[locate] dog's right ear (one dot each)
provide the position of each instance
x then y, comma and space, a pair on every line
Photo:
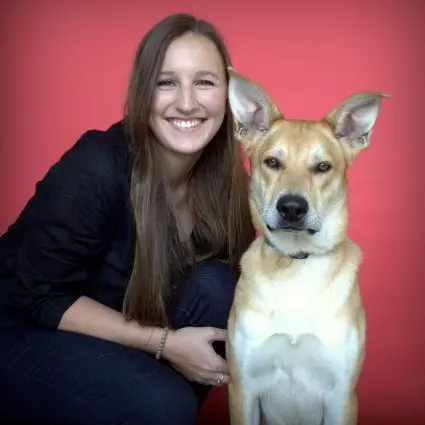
353, 120
252, 108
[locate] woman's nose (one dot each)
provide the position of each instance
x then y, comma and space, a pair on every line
186, 99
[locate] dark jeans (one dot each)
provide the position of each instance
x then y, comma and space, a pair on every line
54, 377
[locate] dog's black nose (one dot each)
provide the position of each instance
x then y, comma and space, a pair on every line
292, 208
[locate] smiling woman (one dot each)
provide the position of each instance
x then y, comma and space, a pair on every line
130, 247
190, 103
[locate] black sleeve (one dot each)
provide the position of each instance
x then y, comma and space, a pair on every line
67, 226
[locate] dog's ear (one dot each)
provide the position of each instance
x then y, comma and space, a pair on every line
353, 120
252, 109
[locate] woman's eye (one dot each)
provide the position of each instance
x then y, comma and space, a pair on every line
165, 83
205, 83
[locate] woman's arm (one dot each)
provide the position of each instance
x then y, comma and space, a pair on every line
66, 229
89, 317
189, 349
68, 223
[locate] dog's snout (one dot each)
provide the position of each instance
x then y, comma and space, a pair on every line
292, 208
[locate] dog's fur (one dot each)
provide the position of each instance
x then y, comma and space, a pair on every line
296, 331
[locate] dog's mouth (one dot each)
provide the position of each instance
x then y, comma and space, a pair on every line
292, 229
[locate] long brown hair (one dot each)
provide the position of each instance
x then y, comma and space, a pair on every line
218, 184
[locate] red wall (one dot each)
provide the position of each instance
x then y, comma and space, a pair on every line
64, 69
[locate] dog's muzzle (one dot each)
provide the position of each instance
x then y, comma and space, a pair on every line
292, 214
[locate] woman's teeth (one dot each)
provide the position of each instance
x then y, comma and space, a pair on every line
186, 123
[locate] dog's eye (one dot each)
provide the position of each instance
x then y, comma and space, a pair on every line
272, 162
322, 167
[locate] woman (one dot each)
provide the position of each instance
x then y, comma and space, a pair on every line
119, 274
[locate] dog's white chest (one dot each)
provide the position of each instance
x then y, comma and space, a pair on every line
292, 342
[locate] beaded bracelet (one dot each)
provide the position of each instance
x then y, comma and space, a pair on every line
161, 345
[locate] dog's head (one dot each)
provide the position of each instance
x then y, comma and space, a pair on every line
298, 167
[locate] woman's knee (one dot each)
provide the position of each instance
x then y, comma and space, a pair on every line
216, 280
207, 295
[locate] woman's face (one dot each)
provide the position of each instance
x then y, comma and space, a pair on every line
190, 98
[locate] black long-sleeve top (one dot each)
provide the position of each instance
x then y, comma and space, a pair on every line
75, 236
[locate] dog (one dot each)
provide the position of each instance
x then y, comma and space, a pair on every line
297, 326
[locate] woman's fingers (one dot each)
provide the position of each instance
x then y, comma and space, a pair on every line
216, 380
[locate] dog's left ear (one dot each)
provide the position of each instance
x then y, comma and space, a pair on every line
252, 108
353, 120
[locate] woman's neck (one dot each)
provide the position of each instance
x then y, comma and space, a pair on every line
177, 169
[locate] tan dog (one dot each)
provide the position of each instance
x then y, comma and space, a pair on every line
296, 334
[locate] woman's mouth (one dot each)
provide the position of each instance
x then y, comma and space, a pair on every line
186, 124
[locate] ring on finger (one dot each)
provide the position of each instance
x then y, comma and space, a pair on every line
220, 378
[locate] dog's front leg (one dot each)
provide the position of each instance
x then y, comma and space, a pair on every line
244, 406
341, 410
341, 407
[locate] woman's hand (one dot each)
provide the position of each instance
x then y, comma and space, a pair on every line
190, 351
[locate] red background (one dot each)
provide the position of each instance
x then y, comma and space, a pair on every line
64, 69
